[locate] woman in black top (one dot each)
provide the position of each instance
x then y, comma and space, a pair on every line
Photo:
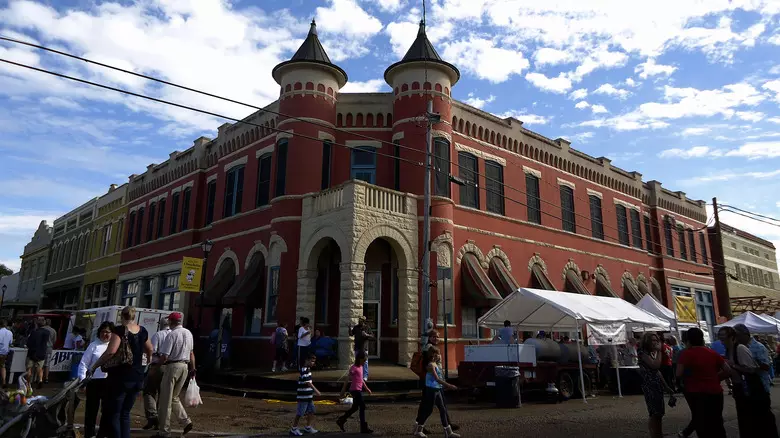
124, 382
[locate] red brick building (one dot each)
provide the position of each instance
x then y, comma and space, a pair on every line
318, 212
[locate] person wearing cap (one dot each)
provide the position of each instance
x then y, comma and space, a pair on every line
362, 334
178, 359
154, 376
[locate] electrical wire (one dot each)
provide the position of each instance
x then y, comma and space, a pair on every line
728, 210
722, 206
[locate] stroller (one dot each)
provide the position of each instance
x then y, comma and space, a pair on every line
41, 419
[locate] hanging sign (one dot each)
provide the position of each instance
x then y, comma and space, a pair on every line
191, 270
607, 334
685, 309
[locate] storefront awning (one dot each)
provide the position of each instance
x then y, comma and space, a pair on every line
480, 292
249, 289
541, 278
502, 278
574, 281
643, 289
603, 287
632, 291
219, 286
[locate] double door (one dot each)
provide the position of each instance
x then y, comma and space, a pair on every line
372, 309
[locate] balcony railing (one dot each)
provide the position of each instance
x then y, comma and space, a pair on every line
358, 194
328, 200
385, 199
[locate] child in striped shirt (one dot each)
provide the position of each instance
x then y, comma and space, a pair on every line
306, 392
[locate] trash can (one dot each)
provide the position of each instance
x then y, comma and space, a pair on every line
74, 365
507, 386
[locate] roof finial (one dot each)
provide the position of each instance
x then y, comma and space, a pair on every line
421, 31
313, 28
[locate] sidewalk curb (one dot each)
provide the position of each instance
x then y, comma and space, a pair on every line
291, 396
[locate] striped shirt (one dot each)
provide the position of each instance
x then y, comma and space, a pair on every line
305, 392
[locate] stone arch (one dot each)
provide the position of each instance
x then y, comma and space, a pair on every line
600, 270
498, 252
444, 248
537, 260
397, 239
227, 254
311, 250
276, 247
468, 128
370, 120
258, 248
471, 247
454, 122
570, 265
460, 125
479, 131
349, 120
627, 277
359, 120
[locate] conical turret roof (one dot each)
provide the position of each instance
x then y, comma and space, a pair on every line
422, 50
311, 51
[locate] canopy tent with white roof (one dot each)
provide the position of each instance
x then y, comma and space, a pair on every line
648, 303
755, 323
534, 309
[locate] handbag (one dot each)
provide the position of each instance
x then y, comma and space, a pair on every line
123, 355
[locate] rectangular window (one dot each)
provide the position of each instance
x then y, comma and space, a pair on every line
494, 185
704, 308
444, 294
703, 246
185, 208
737, 272
532, 198
441, 166
281, 167
211, 199
106, 240
119, 234
668, 236
622, 224
152, 220
273, 294
264, 180
130, 297
364, 164
596, 220
326, 165
567, 209
750, 275
636, 229
648, 235
169, 294
396, 165
174, 213
683, 246
469, 326
692, 245
771, 281
254, 322
130, 229
469, 194
395, 296
161, 218
139, 226
234, 191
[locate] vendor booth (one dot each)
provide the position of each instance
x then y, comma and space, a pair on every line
607, 319
649, 304
757, 324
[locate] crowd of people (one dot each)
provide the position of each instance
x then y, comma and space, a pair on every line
305, 340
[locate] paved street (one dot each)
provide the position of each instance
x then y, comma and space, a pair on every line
604, 416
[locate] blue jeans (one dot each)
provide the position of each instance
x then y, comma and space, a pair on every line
365, 365
118, 400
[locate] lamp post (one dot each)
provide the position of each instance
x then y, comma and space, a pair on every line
206, 247
2, 300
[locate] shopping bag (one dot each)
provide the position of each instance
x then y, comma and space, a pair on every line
192, 396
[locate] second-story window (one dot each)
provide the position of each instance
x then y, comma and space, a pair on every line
152, 220
130, 229
567, 209
174, 212
211, 198
469, 192
648, 235
532, 198
668, 236
692, 245
161, 218
622, 224
636, 229
703, 246
494, 185
185, 208
441, 167
683, 246
106, 240
119, 235
263, 180
327, 154
234, 191
364, 164
281, 167
596, 218
139, 226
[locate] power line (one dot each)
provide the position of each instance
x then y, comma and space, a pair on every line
728, 210
748, 212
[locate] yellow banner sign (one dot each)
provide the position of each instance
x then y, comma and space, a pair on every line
685, 308
191, 272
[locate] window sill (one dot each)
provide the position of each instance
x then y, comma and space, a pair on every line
450, 325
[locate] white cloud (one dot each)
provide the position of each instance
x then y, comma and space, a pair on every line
346, 17
403, 33
369, 86
580, 93
694, 152
64, 193
24, 223
599, 109
62, 103
599, 59
481, 58
631, 83
774, 120
756, 150
527, 119
650, 68
558, 85
582, 137
696, 131
730, 176
582, 105
477, 102
750, 116
773, 86
547, 56
611, 90
390, 5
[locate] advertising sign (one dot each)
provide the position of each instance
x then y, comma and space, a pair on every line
191, 270
607, 334
685, 308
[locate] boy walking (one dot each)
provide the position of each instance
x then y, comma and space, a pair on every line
306, 392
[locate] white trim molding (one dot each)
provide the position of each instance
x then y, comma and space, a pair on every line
626, 204
592, 192
211, 178
482, 154
266, 150
322, 135
357, 143
243, 160
533, 172
398, 136
437, 133
569, 184
285, 134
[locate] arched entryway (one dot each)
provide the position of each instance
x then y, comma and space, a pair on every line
249, 295
327, 287
220, 285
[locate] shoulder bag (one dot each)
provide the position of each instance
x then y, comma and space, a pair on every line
123, 355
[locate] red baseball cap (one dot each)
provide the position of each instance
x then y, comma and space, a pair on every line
175, 316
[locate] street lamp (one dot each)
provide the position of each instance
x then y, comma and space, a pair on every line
2, 300
206, 247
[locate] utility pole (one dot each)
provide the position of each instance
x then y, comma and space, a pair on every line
719, 236
426, 260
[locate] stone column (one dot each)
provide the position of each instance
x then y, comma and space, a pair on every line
408, 315
350, 308
307, 293
156, 286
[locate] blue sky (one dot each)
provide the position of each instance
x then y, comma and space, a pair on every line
687, 93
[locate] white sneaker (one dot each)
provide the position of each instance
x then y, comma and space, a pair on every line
296, 432
309, 429
273, 370
284, 369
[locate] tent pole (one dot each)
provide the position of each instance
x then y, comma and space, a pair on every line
579, 357
617, 370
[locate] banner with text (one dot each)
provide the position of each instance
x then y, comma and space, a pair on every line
685, 309
191, 271
607, 334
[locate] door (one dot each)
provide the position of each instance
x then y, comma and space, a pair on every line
372, 296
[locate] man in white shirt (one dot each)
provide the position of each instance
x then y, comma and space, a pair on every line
6, 338
304, 341
154, 377
178, 359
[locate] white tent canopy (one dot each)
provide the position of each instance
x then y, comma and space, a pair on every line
533, 309
755, 323
649, 304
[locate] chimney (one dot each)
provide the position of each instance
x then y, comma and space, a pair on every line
112, 187
150, 167
172, 156
563, 143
